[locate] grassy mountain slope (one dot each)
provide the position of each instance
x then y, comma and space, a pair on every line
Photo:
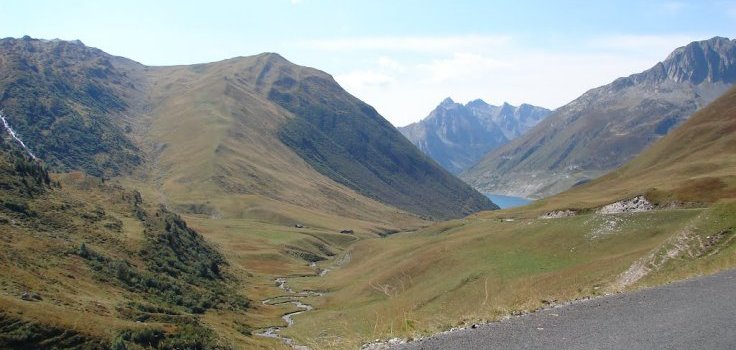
609, 125
213, 150
89, 265
67, 101
348, 141
205, 137
694, 164
493, 264
100, 265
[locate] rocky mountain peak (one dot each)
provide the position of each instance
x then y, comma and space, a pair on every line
711, 60
477, 103
507, 108
626, 116
447, 102
457, 135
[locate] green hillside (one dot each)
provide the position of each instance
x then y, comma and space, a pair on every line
235, 127
348, 141
67, 102
87, 265
495, 264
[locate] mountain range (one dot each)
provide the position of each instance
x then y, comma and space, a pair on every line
560, 248
608, 125
253, 203
457, 136
256, 125
137, 202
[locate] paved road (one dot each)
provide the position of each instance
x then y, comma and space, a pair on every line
695, 314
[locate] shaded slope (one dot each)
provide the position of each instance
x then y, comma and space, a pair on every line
213, 148
457, 136
68, 101
609, 125
348, 141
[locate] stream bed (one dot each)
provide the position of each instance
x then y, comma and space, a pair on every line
291, 297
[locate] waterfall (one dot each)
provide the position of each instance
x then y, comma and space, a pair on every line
15, 136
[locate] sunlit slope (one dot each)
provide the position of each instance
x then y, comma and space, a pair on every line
693, 165
213, 135
202, 135
462, 272
91, 265
212, 149
498, 263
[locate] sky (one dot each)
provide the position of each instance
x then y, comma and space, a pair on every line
403, 57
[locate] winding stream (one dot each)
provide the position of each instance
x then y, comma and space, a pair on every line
291, 297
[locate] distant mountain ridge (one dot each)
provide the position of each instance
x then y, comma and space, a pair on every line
608, 125
457, 135
695, 164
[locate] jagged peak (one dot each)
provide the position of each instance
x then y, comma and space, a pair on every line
447, 102
715, 43
712, 60
507, 107
478, 104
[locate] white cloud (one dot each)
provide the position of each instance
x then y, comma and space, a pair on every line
360, 79
387, 63
405, 86
409, 43
462, 66
296, 2
544, 78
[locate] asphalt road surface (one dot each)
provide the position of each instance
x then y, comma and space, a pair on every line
698, 313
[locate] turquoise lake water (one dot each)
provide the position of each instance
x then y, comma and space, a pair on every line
508, 201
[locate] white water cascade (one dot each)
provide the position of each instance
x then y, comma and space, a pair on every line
15, 136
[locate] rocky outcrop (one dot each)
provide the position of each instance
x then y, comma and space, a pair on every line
633, 205
556, 214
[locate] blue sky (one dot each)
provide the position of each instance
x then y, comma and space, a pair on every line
402, 57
